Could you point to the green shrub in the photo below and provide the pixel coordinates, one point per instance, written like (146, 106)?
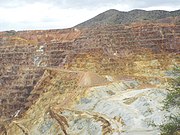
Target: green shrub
(172, 126)
(173, 101)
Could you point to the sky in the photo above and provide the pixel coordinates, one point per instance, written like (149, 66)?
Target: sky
(59, 14)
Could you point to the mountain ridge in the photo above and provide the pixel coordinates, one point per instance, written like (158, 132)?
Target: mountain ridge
(113, 16)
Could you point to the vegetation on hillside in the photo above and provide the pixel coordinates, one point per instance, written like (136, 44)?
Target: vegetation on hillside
(172, 127)
(113, 16)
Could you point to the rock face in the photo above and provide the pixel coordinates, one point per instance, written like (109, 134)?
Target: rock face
(108, 79)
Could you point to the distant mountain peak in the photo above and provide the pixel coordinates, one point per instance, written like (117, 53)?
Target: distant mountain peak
(113, 16)
(112, 10)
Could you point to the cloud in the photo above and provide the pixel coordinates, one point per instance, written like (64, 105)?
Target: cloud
(150, 3)
(42, 16)
(46, 14)
(60, 3)
(90, 3)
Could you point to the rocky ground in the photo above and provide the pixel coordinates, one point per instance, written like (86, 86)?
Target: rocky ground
(76, 104)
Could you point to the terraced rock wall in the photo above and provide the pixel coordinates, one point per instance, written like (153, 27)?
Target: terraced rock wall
(131, 50)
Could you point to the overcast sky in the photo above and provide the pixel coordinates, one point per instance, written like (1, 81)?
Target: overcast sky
(56, 14)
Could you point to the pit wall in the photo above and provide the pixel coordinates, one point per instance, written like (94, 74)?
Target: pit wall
(131, 50)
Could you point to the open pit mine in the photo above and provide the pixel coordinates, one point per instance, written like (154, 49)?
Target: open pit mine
(99, 80)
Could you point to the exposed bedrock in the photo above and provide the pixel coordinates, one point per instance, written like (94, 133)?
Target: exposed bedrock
(100, 80)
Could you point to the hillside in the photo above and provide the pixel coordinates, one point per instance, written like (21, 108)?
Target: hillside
(113, 16)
